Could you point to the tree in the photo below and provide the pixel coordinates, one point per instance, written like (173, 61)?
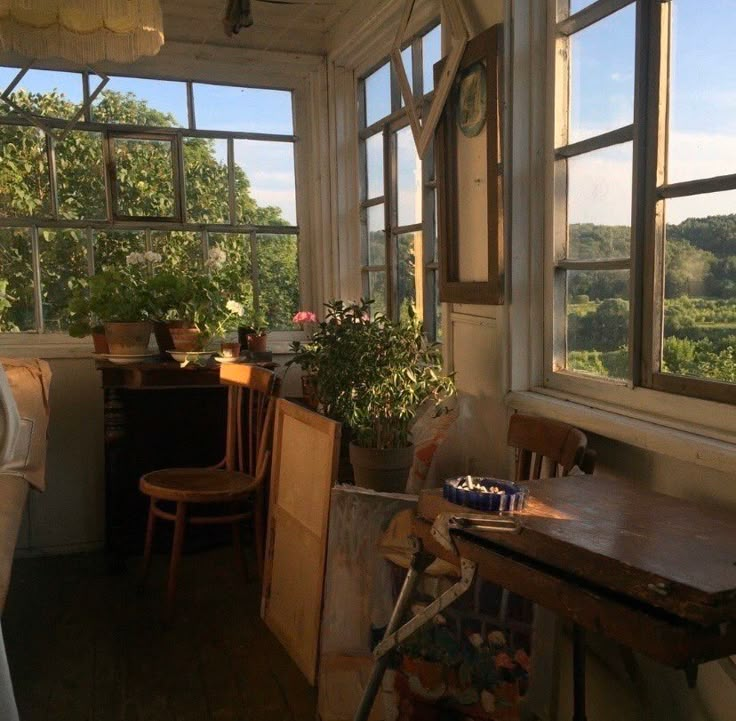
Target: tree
(145, 186)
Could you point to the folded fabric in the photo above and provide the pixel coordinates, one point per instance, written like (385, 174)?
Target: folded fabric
(9, 420)
(25, 449)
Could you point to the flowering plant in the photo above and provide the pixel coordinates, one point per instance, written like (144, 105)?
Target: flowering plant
(304, 316)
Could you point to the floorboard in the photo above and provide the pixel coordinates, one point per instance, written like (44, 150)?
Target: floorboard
(84, 645)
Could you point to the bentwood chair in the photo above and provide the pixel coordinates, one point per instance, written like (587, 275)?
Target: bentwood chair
(235, 485)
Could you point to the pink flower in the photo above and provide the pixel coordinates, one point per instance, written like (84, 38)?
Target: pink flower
(522, 659)
(304, 316)
(503, 660)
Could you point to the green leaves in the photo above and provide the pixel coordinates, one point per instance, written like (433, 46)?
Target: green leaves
(373, 374)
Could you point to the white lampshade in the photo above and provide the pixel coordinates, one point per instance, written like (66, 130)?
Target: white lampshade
(83, 31)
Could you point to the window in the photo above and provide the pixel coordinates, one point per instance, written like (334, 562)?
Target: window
(643, 269)
(399, 248)
(170, 166)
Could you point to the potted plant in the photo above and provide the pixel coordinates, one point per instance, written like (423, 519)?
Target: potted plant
(373, 375)
(120, 300)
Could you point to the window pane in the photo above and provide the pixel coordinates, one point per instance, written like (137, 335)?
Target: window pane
(63, 260)
(374, 252)
(576, 5)
(700, 287)
(80, 175)
(139, 101)
(180, 250)
(378, 95)
(702, 117)
(377, 291)
(264, 182)
(431, 53)
(237, 273)
(24, 172)
(205, 166)
(406, 279)
(278, 279)
(16, 281)
(598, 322)
(245, 110)
(112, 247)
(602, 75)
(374, 166)
(51, 93)
(144, 177)
(599, 203)
(408, 61)
(409, 179)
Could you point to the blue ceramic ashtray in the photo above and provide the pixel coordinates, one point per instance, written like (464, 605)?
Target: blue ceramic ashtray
(485, 494)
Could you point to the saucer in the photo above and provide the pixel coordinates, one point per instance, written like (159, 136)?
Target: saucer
(125, 359)
(223, 359)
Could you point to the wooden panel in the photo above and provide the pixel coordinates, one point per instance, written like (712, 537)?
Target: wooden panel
(671, 553)
(304, 469)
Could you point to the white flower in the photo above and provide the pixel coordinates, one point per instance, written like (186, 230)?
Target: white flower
(216, 258)
(151, 257)
(496, 638)
(234, 307)
(476, 639)
(135, 259)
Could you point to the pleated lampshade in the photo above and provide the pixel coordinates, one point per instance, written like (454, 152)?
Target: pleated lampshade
(83, 31)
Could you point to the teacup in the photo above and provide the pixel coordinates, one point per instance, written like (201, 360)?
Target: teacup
(230, 350)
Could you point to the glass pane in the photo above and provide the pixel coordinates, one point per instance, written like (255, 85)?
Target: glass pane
(24, 172)
(598, 322)
(431, 53)
(52, 93)
(409, 179)
(139, 101)
(437, 306)
(576, 5)
(700, 287)
(205, 167)
(378, 95)
(278, 279)
(180, 250)
(702, 122)
(80, 176)
(63, 260)
(377, 291)
(407, 246)
(236, 275)
(599, 203)
(374, 166)
(16, 281)
(264, 182)
(144, 177)
(406, 57)
(602, 75)
(112, 247)
(245, 110)
(375, 248)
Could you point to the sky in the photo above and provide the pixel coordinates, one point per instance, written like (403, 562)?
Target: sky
(702, 139)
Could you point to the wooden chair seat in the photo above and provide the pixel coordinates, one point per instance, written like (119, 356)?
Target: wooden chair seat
(197, 485)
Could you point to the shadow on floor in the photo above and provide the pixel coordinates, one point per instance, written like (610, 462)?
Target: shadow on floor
(87, 646)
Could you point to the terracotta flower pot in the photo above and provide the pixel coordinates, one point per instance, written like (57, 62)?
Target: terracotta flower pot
(385, 469)
(128, 338)
(162, 331)
(257, 342)
(186, 339)
(99, 340)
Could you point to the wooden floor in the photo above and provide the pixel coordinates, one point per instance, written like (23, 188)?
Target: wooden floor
(87, 646)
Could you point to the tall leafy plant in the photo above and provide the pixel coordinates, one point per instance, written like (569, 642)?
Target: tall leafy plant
(373, 374)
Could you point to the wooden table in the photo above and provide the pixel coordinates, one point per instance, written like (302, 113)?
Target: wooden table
(655, 573)
(157, 415)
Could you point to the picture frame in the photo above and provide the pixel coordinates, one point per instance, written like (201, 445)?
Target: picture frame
(470, 204)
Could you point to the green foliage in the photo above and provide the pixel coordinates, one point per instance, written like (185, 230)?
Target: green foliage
(5, 304)
(373, 374)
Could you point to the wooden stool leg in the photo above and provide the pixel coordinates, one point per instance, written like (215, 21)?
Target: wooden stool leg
(179, 528)
(578, 672)
(149, 542)
(259, 530)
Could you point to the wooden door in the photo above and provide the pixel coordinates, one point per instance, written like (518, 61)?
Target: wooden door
(303, 471)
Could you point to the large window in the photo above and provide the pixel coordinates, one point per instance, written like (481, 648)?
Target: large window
(399, 237)
(168, 166)
(643, 268)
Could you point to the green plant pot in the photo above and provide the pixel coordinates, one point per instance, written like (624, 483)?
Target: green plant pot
(385, 469)
(128, 338)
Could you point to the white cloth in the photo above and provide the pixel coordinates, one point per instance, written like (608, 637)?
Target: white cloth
(8, 709)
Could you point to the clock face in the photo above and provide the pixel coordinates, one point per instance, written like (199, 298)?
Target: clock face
(471, 100)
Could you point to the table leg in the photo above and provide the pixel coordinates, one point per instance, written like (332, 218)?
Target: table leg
(578, 673)
(116, 479)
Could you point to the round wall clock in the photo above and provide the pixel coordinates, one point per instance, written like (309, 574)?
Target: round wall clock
(471, 100)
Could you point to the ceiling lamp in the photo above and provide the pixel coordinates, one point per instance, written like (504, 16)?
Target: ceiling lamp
(83, 31)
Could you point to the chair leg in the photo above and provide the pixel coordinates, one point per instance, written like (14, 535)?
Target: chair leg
(149, 543)
(179, 528)
(238, 548)
(259, 530)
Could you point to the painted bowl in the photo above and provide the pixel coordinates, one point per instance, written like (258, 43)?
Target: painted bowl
(494, 495)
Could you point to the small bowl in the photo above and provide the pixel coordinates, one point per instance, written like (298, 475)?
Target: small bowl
(511, 498)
